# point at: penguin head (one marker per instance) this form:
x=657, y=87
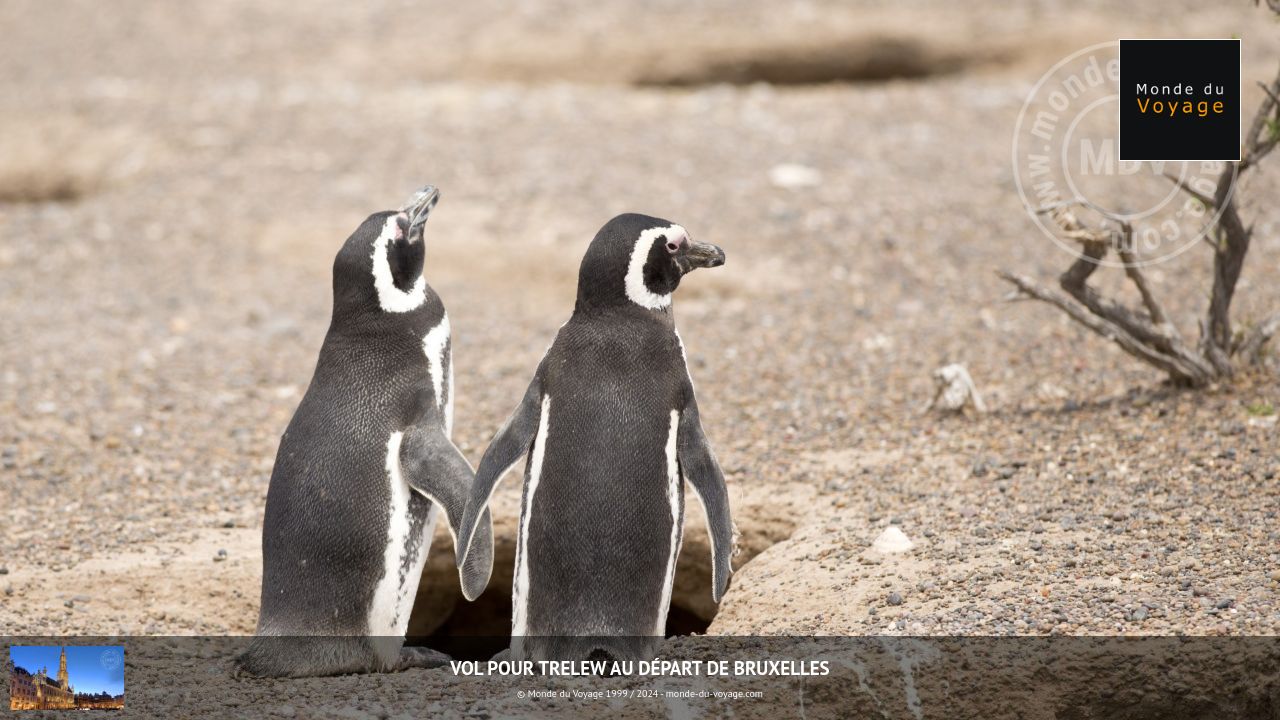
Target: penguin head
x=380, y=265
x=640, y=259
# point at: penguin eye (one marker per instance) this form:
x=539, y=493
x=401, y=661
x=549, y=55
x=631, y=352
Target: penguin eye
x=672, y=246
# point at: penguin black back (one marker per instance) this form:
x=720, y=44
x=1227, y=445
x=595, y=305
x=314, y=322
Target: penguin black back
x=611, y=429
x=364, y=468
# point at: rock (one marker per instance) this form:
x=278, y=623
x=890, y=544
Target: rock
x=4, y=570
x=1275, y=575
x=894, y=598
x=222, y=555
x=954, y=390
x=892, y=541
x=794, y=177
x=1224, y=603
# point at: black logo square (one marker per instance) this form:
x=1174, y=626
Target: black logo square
x=1180, y=99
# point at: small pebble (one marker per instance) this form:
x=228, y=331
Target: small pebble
x=222, y=555
x=794, y=176
x=1225, y=603
x=894, y=598
x=892, y=540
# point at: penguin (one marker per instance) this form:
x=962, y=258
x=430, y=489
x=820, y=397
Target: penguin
x=364, y=470
x=611, y=431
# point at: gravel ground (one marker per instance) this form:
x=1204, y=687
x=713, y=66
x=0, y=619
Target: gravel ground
x=170, y=202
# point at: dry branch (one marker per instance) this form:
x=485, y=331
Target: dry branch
x=1251, y=347
x=1208, y=201
x=1151, y=336
x=1175, y=367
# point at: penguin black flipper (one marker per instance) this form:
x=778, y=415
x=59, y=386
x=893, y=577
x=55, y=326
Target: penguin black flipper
x=433, y=466
x=700, y=469
x=509, y=444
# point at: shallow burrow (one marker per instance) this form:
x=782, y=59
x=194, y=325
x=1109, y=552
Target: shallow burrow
x=847, y=48
x=58, y=158
x=444, y=620
x=857, y=59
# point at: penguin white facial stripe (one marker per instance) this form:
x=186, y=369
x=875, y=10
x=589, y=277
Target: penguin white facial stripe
x=637, y=292
x=520, y=591
x=433, y=346
x=673, y=497
x=390, y=297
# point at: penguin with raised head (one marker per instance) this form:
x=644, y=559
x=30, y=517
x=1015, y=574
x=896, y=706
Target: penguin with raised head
x=364, y=470
x=611, y=429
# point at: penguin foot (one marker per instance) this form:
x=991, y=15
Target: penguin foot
x=421, y=657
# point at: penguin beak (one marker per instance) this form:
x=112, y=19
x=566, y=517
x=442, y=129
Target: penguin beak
x=702, y=255
x=418, y=207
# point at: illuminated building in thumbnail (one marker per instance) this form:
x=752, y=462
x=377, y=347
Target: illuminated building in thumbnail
x=99, y=701
x=38, y=691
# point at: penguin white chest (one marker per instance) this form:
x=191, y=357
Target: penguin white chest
x=672, y=482
x=677, y=519
x=404, y=555
x=407, y=546
x=436, y=347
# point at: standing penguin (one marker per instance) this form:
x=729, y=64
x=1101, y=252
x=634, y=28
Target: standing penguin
x=364, y=469
x=610, y=425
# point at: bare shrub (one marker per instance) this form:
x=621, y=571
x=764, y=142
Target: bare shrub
x=1146, y=332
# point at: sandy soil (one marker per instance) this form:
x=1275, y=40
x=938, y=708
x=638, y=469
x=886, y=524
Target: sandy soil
x=174, y=183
